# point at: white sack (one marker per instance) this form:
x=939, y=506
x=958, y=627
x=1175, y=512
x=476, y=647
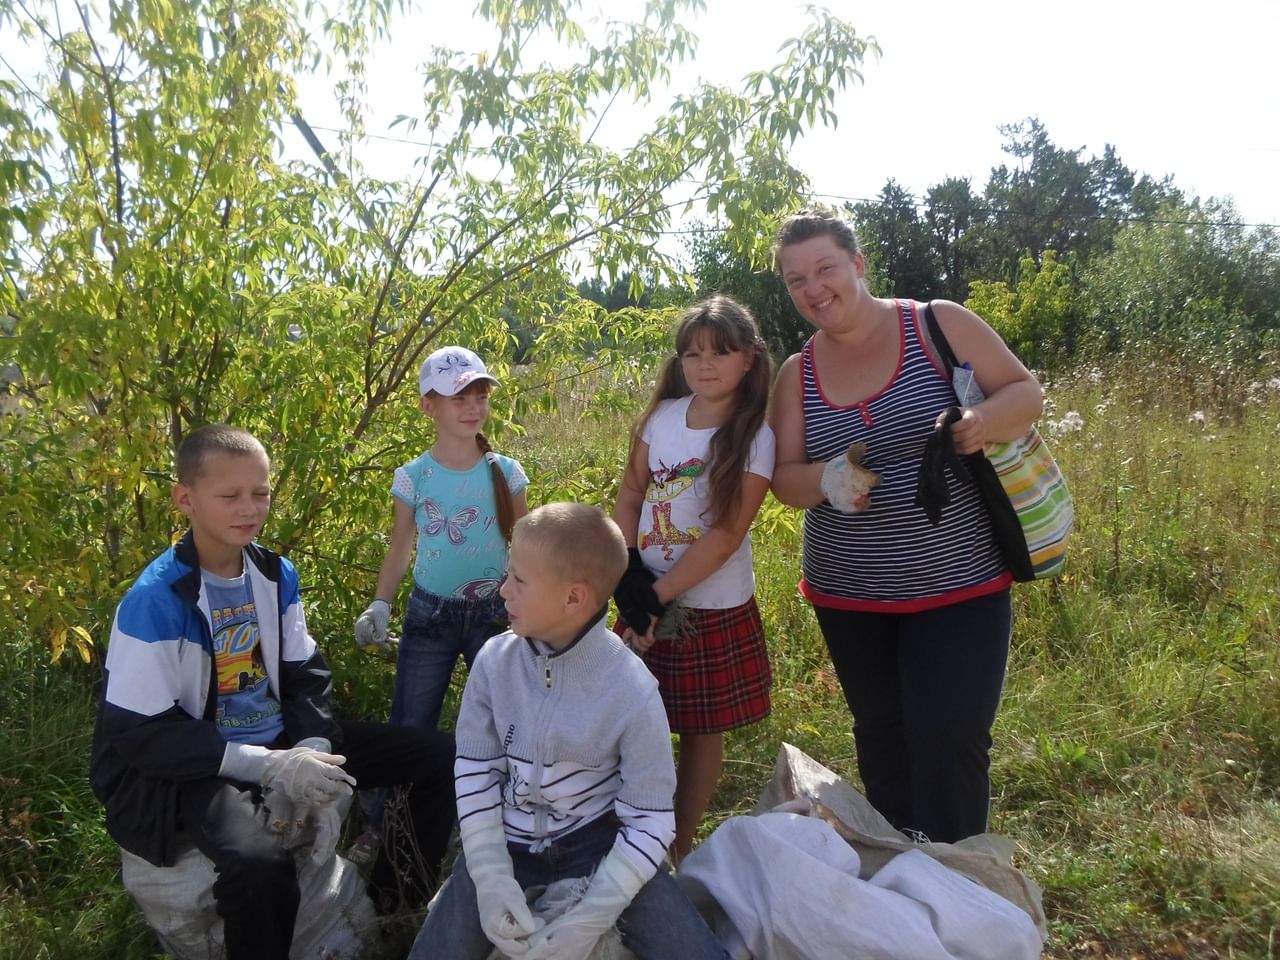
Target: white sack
x=335, y=917
x=788, y=887
x=801, y=782
x=971, y=922
x=831, y=877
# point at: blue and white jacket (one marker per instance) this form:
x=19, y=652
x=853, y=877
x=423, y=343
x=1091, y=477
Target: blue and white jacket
x=155, y=724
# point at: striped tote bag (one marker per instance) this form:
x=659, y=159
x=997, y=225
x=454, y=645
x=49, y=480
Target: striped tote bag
x=1020, y=483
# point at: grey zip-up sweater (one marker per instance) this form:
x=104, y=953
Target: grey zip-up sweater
x=550, y=741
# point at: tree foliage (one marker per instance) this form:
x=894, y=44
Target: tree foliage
x=896, y=240
x=718, y=269
x=1061, y=251
x=1052, y=199
x=1193, y=274
x=957, y=222
x=163, y=267
x=1035, y=315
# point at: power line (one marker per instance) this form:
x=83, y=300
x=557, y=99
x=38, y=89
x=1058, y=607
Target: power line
x=918, y=201
x=921, y=203
x=376, y=136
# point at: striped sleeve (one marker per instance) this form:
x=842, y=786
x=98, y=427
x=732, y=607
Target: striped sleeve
x=480, y=767
x=296, y=643
x=149, y=675
x=306, y=683
x=644, y=802
x=151, y=710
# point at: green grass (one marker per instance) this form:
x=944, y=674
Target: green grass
x=59, y=890
x=1137, y=755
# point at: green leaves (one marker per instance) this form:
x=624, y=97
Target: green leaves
x=1035, y=318
x=1193, y=276
x=164, y=267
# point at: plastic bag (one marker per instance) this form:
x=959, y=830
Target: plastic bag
x=816, y=872
x=554, y=900
x=335, y=917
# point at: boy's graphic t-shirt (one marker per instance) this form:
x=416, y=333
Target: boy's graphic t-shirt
x=247, y=711
x=461, y=551
x=677, y=504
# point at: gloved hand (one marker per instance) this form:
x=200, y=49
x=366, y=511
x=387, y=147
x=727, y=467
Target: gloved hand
x=371, y=627
x=573, y=934
x=846, y=483
x=505, y=916
x=635, y=595
x=306, y=776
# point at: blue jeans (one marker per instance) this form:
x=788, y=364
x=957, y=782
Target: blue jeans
x=661, y=922
x=436, y=631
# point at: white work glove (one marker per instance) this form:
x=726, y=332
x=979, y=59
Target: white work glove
x=505, y=916
x=573, y=934
x=371, y=627
x=306, y=776
x=846, y=483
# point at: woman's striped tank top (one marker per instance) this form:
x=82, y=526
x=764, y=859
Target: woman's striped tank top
x=889, y=557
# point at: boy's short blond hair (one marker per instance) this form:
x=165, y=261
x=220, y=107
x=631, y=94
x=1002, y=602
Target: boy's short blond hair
x=578, y=543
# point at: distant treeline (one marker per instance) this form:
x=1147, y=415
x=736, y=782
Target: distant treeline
x=1061, y=253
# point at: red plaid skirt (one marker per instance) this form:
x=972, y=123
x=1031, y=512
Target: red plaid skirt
x=717, y=677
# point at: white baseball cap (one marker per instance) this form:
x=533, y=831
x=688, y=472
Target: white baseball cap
x=450, y=369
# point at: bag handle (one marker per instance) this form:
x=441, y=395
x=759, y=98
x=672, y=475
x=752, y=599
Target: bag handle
x=940, y=343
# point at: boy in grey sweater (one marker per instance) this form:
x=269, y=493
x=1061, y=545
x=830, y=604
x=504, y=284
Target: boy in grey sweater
x=563, y=768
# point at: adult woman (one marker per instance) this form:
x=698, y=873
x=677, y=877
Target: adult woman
x=916, y=617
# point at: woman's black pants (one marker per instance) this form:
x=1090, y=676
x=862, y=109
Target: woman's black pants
x=923, y=689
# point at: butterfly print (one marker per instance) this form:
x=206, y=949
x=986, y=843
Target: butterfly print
x=454, y=525
x=480, y=589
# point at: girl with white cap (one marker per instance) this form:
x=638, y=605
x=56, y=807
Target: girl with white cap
x=459, y=501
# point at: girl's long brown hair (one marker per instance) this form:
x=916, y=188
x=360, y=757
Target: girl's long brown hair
x=502, y=500
x=727, y=325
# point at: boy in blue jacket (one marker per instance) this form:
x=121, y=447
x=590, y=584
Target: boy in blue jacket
x=215, y=715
